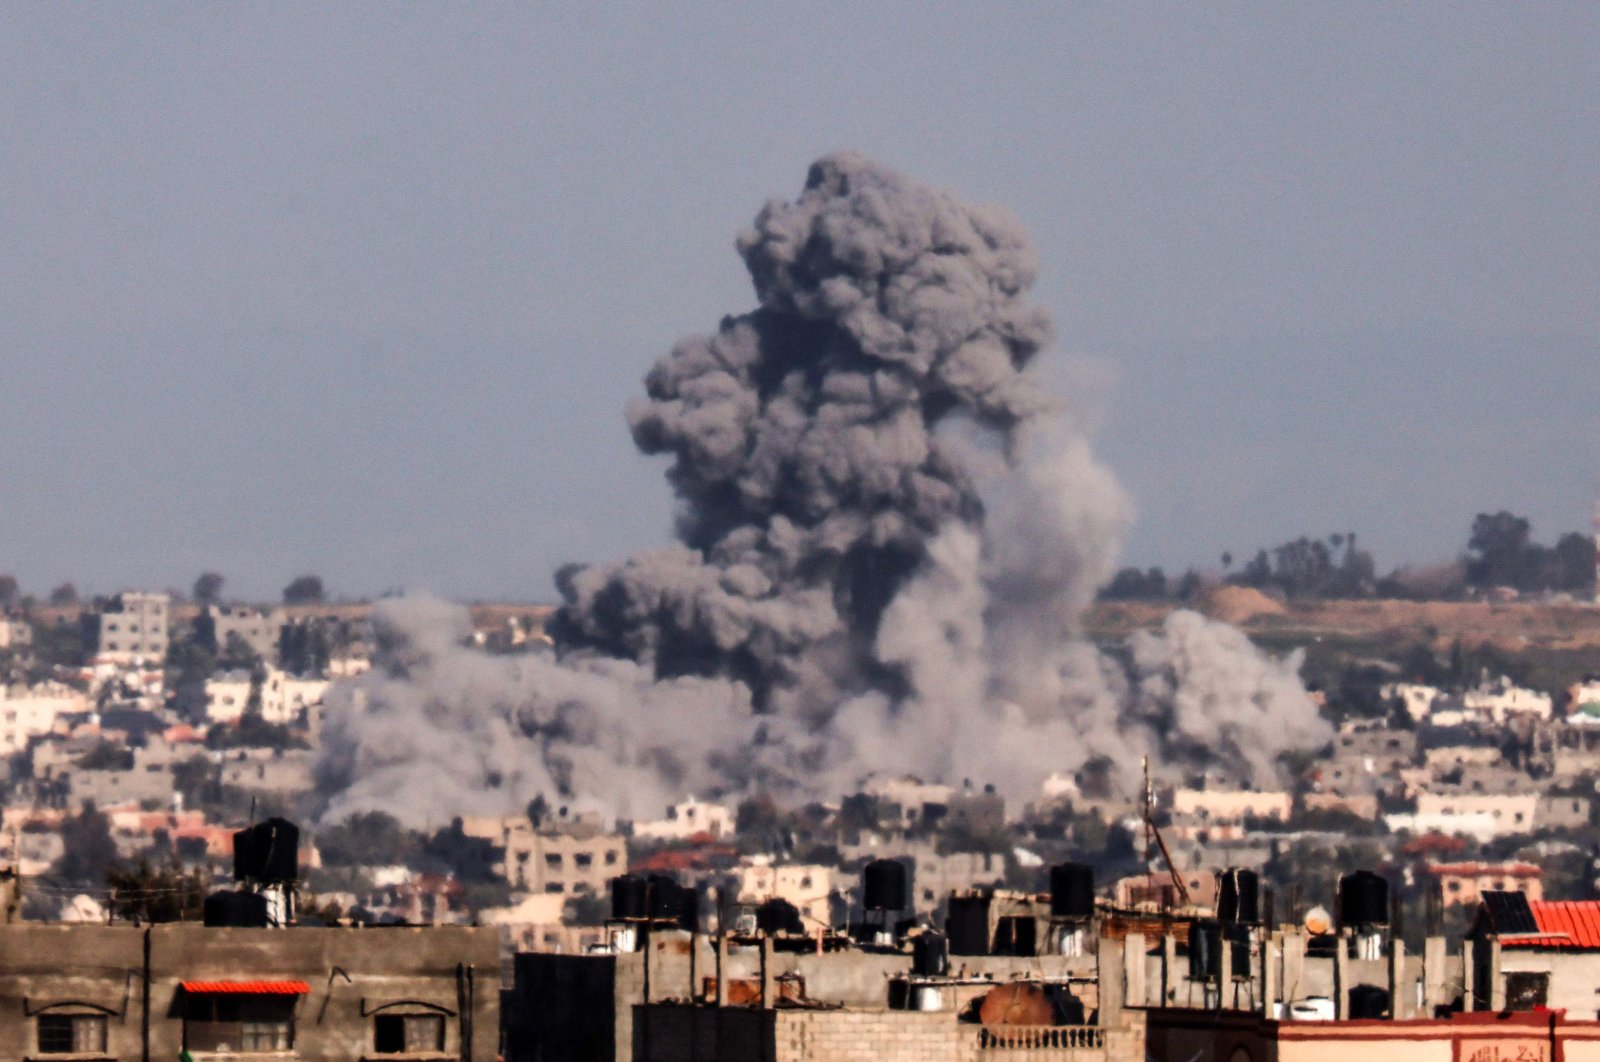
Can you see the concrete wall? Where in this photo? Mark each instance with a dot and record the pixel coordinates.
(558, 1000)
(133, 976)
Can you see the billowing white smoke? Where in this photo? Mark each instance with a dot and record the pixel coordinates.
(890, 531)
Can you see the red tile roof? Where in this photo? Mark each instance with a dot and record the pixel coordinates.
(1481, 870)
(1562, 924)
(255, 988)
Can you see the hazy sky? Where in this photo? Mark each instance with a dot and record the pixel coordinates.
(364, 291)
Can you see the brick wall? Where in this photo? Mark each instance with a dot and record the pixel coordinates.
(672, 1033)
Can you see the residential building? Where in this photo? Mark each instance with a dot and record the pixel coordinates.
(227, 695)
(1417, 698)
(1361, 805)
(27, 712)
(1510, 813)
(1233, 805)
(131, 628)
(1501, 698)
(256, 628)
(1531, 954)
(685, 820)
(1463, 884)
(1561, 811)
(570, 856)
(289, 698)
(125, 991)
(809, 887)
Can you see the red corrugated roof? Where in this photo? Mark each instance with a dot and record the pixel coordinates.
(255, 988)
(1479, 870)
(1565, 923)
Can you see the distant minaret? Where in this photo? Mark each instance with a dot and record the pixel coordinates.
(1597, 549)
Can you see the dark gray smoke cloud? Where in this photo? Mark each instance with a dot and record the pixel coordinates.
(889, 531)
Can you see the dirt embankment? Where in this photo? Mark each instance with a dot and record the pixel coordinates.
(1509, 626)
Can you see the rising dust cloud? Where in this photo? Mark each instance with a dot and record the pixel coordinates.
(888, 529)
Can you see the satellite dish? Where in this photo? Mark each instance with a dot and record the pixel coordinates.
(1318, 921)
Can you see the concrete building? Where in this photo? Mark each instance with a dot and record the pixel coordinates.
(1500, 699)
(1376, 742)
(316, 995)
(1479, 825)
(289, 698)
(1417, 698)
(256, 628)
(279, 772)
(685, 820)
(808, 887)
(1232, 805)
(27, 712)
(683, 999)
(227, 695)
(132, 628)
(1463, 884)
(1230, 1036)
(566, 858)
(1510, 812)
(910, 794)
(1561, 811)
(1537, 954)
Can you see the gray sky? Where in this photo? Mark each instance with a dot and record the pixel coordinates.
(363, 291)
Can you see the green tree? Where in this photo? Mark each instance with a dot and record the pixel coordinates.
(88, 849)
(64, 595)
(1500, 552)
(8, 591)
(166, 893)
(367, 839)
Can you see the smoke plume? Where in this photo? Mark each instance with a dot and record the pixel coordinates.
(889, 530)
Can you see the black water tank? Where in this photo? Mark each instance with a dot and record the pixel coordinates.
(249, 861)
(1205, 949)
(779, 916)
(689, 909)
(1072, 890)
(281, 843)
(884, 885)
(1239, 950)
(666, 898)
(930, 955)
(1369, 1001)
(1363, 899)
(630, 898)
(1016, 935)
(967, 925)
(243, 909)
(1239, 896)
(268, 851)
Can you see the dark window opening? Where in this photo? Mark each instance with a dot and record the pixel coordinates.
(396, 1034)
(1526, 991)
(72, 1034)
(239, 1023)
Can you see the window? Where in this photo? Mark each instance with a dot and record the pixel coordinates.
(1525, 991)
(553, 861)
(72, 1034)
(611, 858)
(583, 859)
(239, 1023)
(396, 1034)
